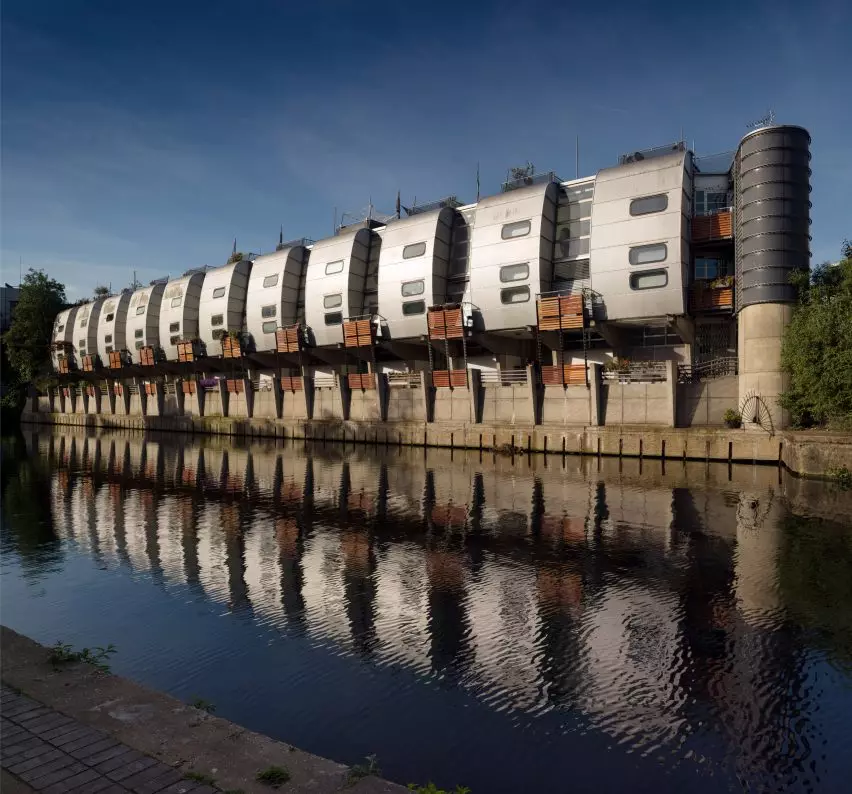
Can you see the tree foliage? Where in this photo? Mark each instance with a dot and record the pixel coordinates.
(28, 339)
(817, 347)
(101, 292)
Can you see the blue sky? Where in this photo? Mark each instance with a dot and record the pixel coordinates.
(147, 135)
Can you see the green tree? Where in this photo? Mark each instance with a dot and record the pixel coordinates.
(101, 292)
(817, 347)
(28, 339)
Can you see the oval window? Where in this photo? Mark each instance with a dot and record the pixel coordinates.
(413, 250)
(649, 279)
(648, 204)
(140, 310)
(334, 267)
(648, 254)
(270, 281)
(110, 318)
(332, 301)
(218, 292)
(413, 307)
(515, 295)
(514, 273)
(175, 302)
(269, 328)
(516, 229)
(413, 287)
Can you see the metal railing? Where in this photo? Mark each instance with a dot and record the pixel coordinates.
(707, 370)
(324, 381)
(403, 378)
(593, 301)
(526, 180)
(638, 372)
(506, 377)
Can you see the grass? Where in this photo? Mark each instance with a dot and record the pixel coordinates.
(63, 653)
(200, 777)
(358, 771)
(274, 776)
(841, 475)
(431, 788)
(202, 705)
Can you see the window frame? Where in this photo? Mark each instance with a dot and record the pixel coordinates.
(635, 276)
(505, 268)
(515, 225)
(265, 327)
(270, 281)
(139, 333)
(520, 290)
(421, 246)
(333, 322)
(647, 247)
(415, 282)
(108, 339)
(174, 328)
(264, 311)
(141, 309)
(420, 304)
(179, 300)
(334, 295)
(336, 269)
(110, 317)
(219, 292)
(636, 212)
(213, 320)
(139, 344)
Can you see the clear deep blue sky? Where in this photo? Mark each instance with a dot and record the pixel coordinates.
(147, 135)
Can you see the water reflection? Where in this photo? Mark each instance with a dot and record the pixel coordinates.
(663, 606)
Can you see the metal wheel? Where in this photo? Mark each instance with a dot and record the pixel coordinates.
(754, 410)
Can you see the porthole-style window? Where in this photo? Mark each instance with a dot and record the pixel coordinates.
(648, 204)
(649, 279)
(173, 340)
(108, 339)
(514, 273)
(139, 345)
(413, 307)
(174, 328)
(217, 319)
(270, 281)
(517, 229)
(139, 333)
(332, 301)
(515, 295)
(175, 302)
(334, 267)
(219, 292)
(414, 250)
(140, 310)
(648, 254)
(268, 311)
(413, 288)
(333, 318)
(269, 327)
(110, 318)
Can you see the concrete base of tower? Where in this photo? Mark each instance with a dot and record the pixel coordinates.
(761, 379)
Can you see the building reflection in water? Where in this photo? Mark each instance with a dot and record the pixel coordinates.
(641, 597)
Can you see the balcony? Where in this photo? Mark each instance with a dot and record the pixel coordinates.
(567, 375)
(561, 312)
(712, 296)
(717, 225)
(359, 332)
(231, 347)
(445, 322)
(288, 340)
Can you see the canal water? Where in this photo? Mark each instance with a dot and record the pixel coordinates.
(527, 624)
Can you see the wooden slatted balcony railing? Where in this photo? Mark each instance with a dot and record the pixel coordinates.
(116, 360)
(231, 347)
(561, 313)
(361, 381)
(292, 383)
(235, 385)
(716, 226)
(571, 375)
(151, 389)
(187, 386)
(91, 391)
(288, 340)
(444, 379)
(186, 351)
(705, 297)
(91, 363)
(445, 322)
(146, 356)
(359, 333)
(117, 389)
(63, 366)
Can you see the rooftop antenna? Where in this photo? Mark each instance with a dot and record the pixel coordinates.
(281, 235)
(398, 205)
(235, 247)
(767, 121)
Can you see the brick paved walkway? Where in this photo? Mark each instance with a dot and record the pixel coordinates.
(56, 754)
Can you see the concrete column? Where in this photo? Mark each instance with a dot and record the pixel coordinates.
(595, 394)
(671, 392)
(533, 392)
(278, 396)
(425, 388)
(224, 397)
(308, 390)
(345, 394)
(475, 380)
(143, 396)
(382, 394)
(760, 330)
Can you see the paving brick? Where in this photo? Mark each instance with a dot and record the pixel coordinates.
(79, 738)
(139, 780)
(47, 723)
(69, 784)
(55, 734)
(94, 786)
(105, 755)
(19, 710)
(84, 753)
(44, 777)
(35, 761)
(182, 787)
(46, 767)
(127, 770)
(29, 717)
(156, 785)
(117, 761)
(22, 746)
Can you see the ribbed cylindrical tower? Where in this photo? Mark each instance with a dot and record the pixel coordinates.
(772, 240)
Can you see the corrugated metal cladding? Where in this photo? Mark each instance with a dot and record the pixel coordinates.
(223, 304)
(143, 319)
(179, 312)
(112, 330)
(511, 255)
(773, 212)
(340, 281)
(639, 243)
(63, 331)
(276, 294)
(413, 270)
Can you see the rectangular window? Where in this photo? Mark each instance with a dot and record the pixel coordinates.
(219, 292)
(707, 202)
(516, 229)
(140, 310)
(219, 333)
(413, 250)
(108, 339)
(173, 340)
(217, 319)
(710, 267)
(514, 273)
(270, 281)
(139, 345)
(515, 295)
(334, 267)
(335, 318)
(413, 287)
(175, 302)
(332, 301)
(648, 254)
(61, 328)
(649, 279)
(269, 328)
(269, 311)
(108, 349)
(84, 322)
(139, 333)
(648, 204)
(174, 328)
(413, 307)
(81, 343)
(110, 318)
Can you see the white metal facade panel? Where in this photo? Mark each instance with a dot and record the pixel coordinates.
(287, 295)
(149, 300)
(86, 328)
(490, 252)
(231, 304)
(353, 249)
(434, 231)
(113, 325)
(63, 331)
(180, 321)
(615, 231)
